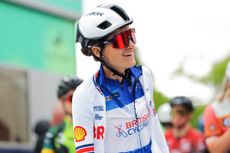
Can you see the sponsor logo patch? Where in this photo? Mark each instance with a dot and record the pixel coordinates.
(99, 132)
(98, 117)
(95, 14)
(132, 127)
(79, 133)
(226, 122)
(116, 94)
(212, 127)
(98, 108)
(108, 98)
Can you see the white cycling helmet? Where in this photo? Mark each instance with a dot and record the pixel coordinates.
(228, 71)
(99, 23)
(164, 113)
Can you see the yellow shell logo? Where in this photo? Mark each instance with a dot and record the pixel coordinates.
(79, 133)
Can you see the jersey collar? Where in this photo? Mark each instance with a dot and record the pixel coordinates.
(135, 72)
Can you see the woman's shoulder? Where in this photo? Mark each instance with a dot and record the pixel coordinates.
(145, 70)
(86, 88)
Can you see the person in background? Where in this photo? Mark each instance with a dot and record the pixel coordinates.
(200, 124)
(40, 129)
(58, 113)
(60, 139)
(217, 120)
(182, 137)
(42, 126)
(164, 113)
(114, 111)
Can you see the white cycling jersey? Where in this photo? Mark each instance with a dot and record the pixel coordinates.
(113, 117)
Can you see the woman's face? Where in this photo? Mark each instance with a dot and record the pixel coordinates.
(120, 59)
(68, 102)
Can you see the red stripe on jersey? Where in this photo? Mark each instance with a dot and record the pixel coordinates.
(85, 150)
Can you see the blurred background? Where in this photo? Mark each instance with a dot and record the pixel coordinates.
(37, 48)
(186, 44)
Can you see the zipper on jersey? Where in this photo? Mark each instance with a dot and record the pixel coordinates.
(135, 111)
(119, 103)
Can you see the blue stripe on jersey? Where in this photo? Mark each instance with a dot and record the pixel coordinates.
(84, 146)
(123, 95)
(145, 149)
(114, 91)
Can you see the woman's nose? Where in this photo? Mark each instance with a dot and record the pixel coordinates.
(131, 44)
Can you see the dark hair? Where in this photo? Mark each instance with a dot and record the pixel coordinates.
(89, 52)
(67, 84)
(183, 101)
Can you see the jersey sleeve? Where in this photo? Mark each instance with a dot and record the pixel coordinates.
(160, 138)
(211, 124)
(83, 122)
(149, 76)
(159, 142)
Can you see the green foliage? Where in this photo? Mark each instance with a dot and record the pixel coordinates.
(215, 77)
(196, 115)
(138, 61)
(159, 99)
(217, 74)
(179, 71)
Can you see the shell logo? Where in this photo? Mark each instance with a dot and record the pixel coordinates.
(79, 133)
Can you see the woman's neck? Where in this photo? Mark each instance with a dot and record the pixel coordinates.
(111, 75)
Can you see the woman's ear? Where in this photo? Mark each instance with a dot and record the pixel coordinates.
(96, 51)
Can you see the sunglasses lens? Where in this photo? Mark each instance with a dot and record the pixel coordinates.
(133, 37)
(179, 113)
(69, 98)
(118, 42)
(122, 40)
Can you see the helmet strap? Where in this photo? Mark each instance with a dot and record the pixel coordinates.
(107, 65)
(105, 62)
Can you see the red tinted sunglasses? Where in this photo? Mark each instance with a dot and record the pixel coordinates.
(69, 98)
(121, 40)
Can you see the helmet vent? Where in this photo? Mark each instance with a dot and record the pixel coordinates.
(121, 12)
(104, 25)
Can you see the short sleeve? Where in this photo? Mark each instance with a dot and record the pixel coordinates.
(211, 123)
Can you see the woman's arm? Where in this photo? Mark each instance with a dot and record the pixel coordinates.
(219, 144)
(83, 122)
